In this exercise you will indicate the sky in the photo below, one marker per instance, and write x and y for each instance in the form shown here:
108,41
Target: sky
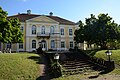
73,10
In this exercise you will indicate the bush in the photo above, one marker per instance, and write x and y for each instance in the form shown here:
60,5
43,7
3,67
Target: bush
71,49
51,50
39,50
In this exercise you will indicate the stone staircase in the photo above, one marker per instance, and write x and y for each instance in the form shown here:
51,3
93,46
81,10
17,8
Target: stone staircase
78,64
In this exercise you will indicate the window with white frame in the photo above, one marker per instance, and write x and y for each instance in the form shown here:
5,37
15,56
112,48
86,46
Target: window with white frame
52,43
33,29
21,29
71,44
70,32
20,45
62,44
62,31
33,43
52,30
43,30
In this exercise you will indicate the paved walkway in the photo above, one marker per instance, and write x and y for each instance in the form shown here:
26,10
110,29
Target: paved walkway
43,69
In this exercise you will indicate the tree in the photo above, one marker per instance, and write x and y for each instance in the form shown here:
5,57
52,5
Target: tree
17,36
79,34
5,27
9,29
98,31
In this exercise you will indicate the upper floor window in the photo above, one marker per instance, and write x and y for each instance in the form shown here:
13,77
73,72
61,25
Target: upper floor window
52,43
20,45
52,29
62,44
43,30
70,32
33,43
33,29
21,28
62,31
71,44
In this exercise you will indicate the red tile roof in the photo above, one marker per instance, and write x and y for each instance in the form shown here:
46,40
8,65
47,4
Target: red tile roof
24,17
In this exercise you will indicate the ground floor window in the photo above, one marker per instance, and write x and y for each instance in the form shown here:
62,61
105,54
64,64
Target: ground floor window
20,45
8,45
52,43
71,44
33,43
62,44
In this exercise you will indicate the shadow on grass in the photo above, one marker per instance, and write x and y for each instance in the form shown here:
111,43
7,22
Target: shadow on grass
92,77
35,58
43,78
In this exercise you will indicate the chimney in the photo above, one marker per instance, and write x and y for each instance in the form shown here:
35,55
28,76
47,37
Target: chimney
51,14
18,13
28,11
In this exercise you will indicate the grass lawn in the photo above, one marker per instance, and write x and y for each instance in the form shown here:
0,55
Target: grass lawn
115,57
19,66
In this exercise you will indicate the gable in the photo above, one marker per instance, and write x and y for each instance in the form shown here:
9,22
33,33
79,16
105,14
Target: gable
43,19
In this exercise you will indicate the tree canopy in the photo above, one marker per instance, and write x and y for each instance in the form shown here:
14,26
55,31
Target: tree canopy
99,31
17,36
9,29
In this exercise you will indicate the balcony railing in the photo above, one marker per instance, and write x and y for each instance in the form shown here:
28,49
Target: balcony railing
39,34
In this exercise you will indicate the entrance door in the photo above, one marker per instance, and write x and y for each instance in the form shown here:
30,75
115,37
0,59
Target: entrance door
43,45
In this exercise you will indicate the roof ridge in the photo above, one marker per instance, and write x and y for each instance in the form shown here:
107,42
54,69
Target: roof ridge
24,16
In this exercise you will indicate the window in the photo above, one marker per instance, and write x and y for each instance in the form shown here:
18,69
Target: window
20,45
52,43
33,29
71,44
33,43
62,31
62,44
70,31
21,28
52,30
8,45
43,30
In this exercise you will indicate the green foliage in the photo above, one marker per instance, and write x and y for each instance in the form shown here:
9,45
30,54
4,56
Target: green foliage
18,66
79,33
99,31
5,27
17,35
9,29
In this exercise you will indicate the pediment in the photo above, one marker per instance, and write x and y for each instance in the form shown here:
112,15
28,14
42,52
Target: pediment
42,19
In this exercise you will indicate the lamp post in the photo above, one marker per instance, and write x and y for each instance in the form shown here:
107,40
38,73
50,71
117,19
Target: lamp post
57,66
108,53
56,57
